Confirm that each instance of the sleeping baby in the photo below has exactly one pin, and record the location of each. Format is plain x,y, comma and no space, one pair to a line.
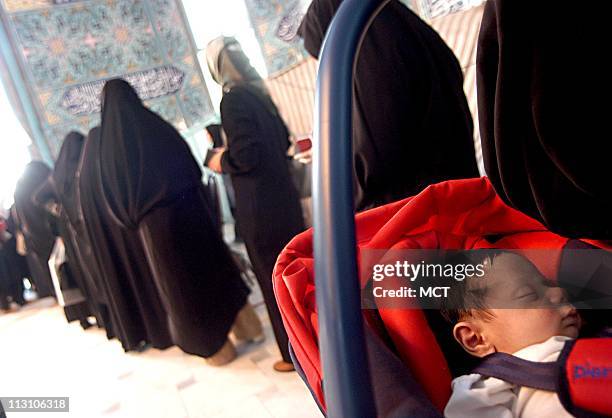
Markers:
513,310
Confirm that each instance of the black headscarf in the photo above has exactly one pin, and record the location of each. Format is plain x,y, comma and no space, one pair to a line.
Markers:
64,173
135,170
545,139
36,224
46,197
61,184
411,123
315,24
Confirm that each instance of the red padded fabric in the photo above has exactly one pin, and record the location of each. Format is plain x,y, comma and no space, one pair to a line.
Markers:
589,373
455,214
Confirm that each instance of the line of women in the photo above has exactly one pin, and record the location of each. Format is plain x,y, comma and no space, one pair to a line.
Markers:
138,220
140,236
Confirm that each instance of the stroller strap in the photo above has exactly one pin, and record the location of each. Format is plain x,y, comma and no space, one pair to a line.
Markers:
581,376
537,375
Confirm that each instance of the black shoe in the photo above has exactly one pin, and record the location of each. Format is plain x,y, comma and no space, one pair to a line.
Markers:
85,323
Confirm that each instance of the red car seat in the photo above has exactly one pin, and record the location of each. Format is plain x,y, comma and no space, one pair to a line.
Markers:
456,214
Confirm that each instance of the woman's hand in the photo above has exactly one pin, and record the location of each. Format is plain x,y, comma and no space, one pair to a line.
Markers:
215,161
304,157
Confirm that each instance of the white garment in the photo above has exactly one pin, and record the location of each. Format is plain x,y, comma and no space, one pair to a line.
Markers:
475,396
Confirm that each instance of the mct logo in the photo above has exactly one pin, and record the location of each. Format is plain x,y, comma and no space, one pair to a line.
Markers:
587,371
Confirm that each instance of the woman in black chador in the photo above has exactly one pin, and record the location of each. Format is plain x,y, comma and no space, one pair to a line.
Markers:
60,189
268,210
37,226
411,123
116,257
13,268
545,134
153,186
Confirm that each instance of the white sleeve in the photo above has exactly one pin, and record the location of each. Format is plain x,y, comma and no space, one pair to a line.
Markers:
475,397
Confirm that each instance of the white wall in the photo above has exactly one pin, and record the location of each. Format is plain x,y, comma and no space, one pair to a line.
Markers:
14,155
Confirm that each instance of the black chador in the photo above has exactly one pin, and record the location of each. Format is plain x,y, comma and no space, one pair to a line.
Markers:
152,186
37,225
545,132
61,189
134,306
411,123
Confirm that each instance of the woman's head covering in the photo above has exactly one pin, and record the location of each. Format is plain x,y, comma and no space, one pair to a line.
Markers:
89,158
312,29
46,195
144,161
229,65
61,184
545,134
35,223
67,162
34,175
35,188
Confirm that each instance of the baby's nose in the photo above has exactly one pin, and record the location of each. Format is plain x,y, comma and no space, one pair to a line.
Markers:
556,295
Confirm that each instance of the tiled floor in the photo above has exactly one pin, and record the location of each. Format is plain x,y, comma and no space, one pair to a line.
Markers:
42,355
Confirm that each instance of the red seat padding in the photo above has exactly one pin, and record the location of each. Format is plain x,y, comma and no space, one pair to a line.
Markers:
457,214
589,374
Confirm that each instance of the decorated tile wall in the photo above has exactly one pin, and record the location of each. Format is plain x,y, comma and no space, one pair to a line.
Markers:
430,9
67,49
275,23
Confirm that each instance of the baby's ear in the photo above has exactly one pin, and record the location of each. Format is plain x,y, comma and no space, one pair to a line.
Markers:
469,335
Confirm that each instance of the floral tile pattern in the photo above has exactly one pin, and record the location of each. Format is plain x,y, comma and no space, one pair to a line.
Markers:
275,23
67,49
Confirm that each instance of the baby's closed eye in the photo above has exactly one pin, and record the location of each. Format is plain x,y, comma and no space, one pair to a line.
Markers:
527,292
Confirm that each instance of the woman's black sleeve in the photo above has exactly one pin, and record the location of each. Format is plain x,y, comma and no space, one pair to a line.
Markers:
243,143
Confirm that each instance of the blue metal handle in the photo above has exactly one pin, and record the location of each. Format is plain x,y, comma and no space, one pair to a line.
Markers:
347,385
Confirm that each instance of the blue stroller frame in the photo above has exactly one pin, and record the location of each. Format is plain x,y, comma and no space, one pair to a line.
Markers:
342,342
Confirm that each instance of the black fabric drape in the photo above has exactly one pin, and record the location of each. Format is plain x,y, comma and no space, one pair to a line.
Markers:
268,211
542,89
13,269
137,168
37,226
12,265
134,306
6,283
215,133
411,123
65,171
85,253
61,187
11,283
46,198
152,183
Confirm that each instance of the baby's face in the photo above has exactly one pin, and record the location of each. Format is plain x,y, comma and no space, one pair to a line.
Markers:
525,309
